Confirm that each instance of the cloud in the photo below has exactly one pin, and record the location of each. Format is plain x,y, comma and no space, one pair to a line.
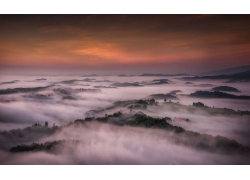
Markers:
108,144
115,40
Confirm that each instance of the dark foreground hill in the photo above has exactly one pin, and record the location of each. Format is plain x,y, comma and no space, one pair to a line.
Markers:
176,134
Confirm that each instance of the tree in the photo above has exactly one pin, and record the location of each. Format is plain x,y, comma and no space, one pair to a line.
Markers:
46,124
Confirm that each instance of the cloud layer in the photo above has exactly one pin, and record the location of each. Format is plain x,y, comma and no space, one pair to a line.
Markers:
109,144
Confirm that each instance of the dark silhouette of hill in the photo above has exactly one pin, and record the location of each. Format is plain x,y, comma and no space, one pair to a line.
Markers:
225,88
76,80
159,81
9,82
89,90
22,90
146,74
237,77
122,75
42,79
125,84
230,70
205,142
216,94
68,98
52,147
163,96
101,86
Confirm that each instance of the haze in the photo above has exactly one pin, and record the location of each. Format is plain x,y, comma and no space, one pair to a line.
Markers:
124,89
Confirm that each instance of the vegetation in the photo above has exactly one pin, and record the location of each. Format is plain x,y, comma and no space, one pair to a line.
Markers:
62,91
225,88
52,147
22,90
69,98
189,138
46,124
9,82
163,96
149,122
198,104
160,81
203,110
142,102
89,90
38,96
138,106
31,133
237,77
216,94
100,119
174,92
104,87
206,142
178,135
125,84
122,75
76,80
41,79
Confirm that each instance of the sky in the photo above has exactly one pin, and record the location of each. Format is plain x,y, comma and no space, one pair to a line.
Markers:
130,44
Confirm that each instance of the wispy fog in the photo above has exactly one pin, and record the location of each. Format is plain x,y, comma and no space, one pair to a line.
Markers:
63,102
109,144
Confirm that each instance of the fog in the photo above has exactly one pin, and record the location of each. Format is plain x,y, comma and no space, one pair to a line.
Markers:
110,144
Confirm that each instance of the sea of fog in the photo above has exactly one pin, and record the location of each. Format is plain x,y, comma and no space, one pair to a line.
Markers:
115,145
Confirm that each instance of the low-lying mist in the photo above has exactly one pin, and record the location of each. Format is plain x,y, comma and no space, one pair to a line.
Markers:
109,144
73,97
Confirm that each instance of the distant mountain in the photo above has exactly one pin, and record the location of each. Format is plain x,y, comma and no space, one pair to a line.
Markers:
230,70
237,77
122,75
76,80
216,94
225,88
22,90
159,81
42,79
88,75
125,84
163,96
145,74
9,82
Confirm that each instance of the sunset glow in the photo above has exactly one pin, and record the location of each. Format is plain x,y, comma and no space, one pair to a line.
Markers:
115,41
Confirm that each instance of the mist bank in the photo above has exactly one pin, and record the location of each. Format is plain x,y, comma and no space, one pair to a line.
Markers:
80,142
96,110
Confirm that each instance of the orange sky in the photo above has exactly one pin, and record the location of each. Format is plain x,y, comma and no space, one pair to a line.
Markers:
154,42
